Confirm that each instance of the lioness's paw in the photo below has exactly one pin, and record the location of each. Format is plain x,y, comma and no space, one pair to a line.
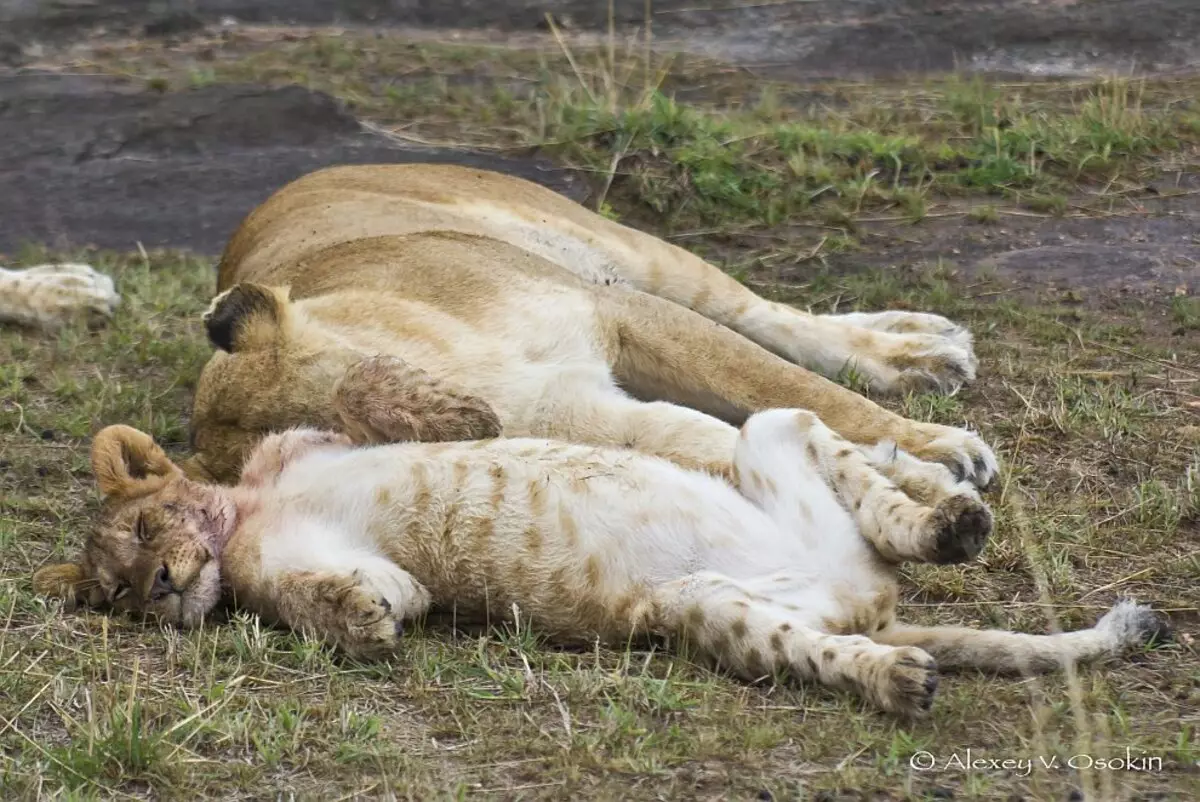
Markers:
52,295
900,352
963,452
924,482
899,322
920,363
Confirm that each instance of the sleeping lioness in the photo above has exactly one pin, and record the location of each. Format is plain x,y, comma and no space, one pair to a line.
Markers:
568,325
791,568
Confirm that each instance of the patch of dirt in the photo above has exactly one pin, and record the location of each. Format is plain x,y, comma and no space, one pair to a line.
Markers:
1154,251
789,38
90,161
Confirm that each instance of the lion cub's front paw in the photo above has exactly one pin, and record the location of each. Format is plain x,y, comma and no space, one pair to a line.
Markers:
376,605
372,625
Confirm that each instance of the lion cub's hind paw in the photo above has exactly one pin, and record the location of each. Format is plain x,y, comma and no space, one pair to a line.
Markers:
909,683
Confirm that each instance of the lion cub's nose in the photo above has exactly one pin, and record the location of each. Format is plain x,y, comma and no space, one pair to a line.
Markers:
162,584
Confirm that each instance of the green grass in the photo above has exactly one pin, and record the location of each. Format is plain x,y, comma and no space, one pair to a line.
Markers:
1101,497
1090,403
739,151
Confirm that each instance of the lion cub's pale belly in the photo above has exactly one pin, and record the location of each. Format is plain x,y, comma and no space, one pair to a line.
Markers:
571,534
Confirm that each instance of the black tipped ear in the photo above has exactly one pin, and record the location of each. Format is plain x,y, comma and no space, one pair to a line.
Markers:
246,316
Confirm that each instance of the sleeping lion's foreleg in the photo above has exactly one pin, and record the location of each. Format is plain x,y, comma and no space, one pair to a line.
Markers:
666,352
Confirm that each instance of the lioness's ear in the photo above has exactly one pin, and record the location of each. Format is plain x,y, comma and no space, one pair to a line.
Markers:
247,317
128,463
65,581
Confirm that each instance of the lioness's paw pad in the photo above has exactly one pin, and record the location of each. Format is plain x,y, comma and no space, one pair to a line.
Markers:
50,296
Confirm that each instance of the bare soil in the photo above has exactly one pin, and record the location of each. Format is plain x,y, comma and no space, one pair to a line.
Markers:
830,37
90,161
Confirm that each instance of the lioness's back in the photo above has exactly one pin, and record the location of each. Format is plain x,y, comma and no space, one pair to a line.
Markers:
346,204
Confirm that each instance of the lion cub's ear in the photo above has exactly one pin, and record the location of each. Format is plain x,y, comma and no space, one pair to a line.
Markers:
247,317
128,463
64,581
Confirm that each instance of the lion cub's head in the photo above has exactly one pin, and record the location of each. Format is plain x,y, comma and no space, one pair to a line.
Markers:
156,548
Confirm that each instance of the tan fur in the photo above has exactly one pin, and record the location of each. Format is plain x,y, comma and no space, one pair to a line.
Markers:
569,325
778,576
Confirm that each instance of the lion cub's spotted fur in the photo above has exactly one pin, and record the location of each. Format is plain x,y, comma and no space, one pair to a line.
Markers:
51,295
570,326
790,569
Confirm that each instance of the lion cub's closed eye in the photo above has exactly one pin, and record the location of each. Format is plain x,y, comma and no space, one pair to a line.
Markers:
155,549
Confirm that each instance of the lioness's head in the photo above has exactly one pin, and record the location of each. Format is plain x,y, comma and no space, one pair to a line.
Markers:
157,545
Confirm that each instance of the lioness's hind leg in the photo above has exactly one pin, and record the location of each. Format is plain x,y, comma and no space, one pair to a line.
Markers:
755,636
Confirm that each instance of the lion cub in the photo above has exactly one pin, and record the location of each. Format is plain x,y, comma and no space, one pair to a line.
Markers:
793,570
